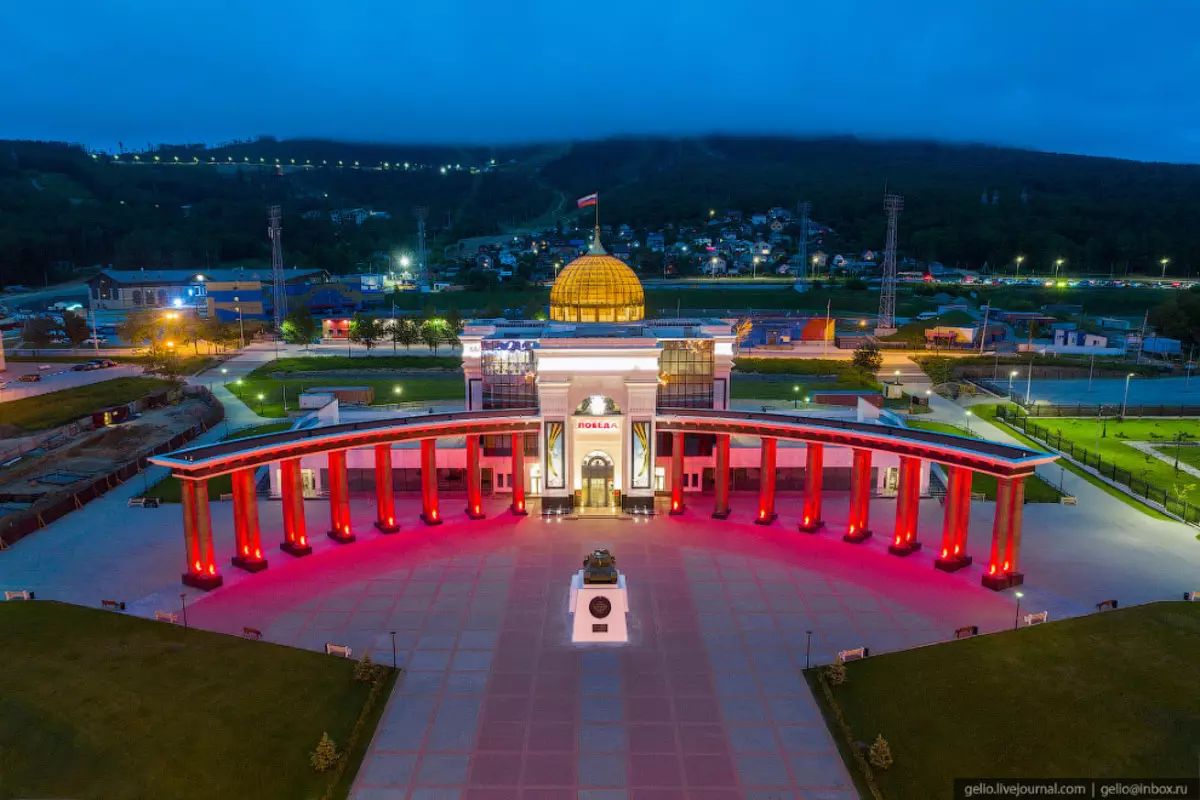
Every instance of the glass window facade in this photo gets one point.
(509, 375)
(685, 374)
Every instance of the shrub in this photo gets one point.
(880, 753)
(367, 670)
(326, 756)
(868, 357)
(836, 672)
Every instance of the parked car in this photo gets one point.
(32, 377)
(86, 367)
(102, 363)
(91, 341)
(107, 330)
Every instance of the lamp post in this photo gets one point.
(260, 403)
(1029, 383)
(1017, 617)
(393, 633)
(1125, 402)
(969, 415)
(807, 648)
(1164, 263)
(1019, 260)
(1011, 375)
(795, 397)
(1058, 265)
(183, 606)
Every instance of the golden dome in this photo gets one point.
(597, 288)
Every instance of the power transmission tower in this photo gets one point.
(277, 275)
(802, 273)
(422, 212)
(893, 204)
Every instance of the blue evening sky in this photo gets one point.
(1098, 77)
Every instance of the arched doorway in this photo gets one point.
(597, 480)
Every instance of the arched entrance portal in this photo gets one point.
(597, 480)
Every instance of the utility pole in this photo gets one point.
(886, 325)
(983, 333)
(422, 213)
(277, 274)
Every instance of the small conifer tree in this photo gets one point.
(836, 673)
(880, 754)
(366, 670)
(325, 757)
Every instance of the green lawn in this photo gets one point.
(1036, 489)
(67, 405)
(1107, 695)
(99, 705)
(1113, 448)
(746, 389)
(388, 361)
(988, 412)
(1187, 455)
(411, 390)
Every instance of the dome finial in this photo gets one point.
(597, 249)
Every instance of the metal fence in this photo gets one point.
(1105, 468)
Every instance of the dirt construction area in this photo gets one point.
(92, 455)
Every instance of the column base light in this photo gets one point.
(201, 581)
(296, 549)
(857, 537)
(518, 510)
(474, 512)
(341, 537)
(249, 564)
(724, 514)
(1002, 580)
(952, 563)
(904, 549)
(431, 519)
(765, 519)
(677, 509)
(387, 526)
(812, 527)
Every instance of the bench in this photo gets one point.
(1068, 500)
(113, 604)
(337, 650)
(227, 497)
(853, 655)
(166, 616)
(23, 594)
(966, 632)
(1106, 604)
(136, 502)
(979, 495)
(1037, 619)
(255, 633)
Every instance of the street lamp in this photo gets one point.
(1125, 402)
(1164, 263)
(260, 403)
(1011, 375)
(1017, 618)
(1058, 265)
(396, 390)
(969, 415)
(795, 397)
(1019, 260)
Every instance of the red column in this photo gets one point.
(908, 501)
(291, 487)
(1012, 551)
(677, 473)
(339, 499)
(721, 475)
(1001, 574)
(245, 517)
(197, 527)
(859, 529)
(385, 499)
(766, 481)
(474, 485)
(956, 521)
(429, 485)
(518, 475)
(813, 473)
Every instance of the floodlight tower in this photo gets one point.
(893, 204)
(422, 212)
(277, 275)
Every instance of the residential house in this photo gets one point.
(758, 219)
(625, 232)
(656, 242)
(1076, 338)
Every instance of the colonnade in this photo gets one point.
(197, 522)
(1003, 562)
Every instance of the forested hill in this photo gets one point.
(61, 207)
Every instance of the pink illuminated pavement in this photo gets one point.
(707, 701)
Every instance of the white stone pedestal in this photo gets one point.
(599, 611)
